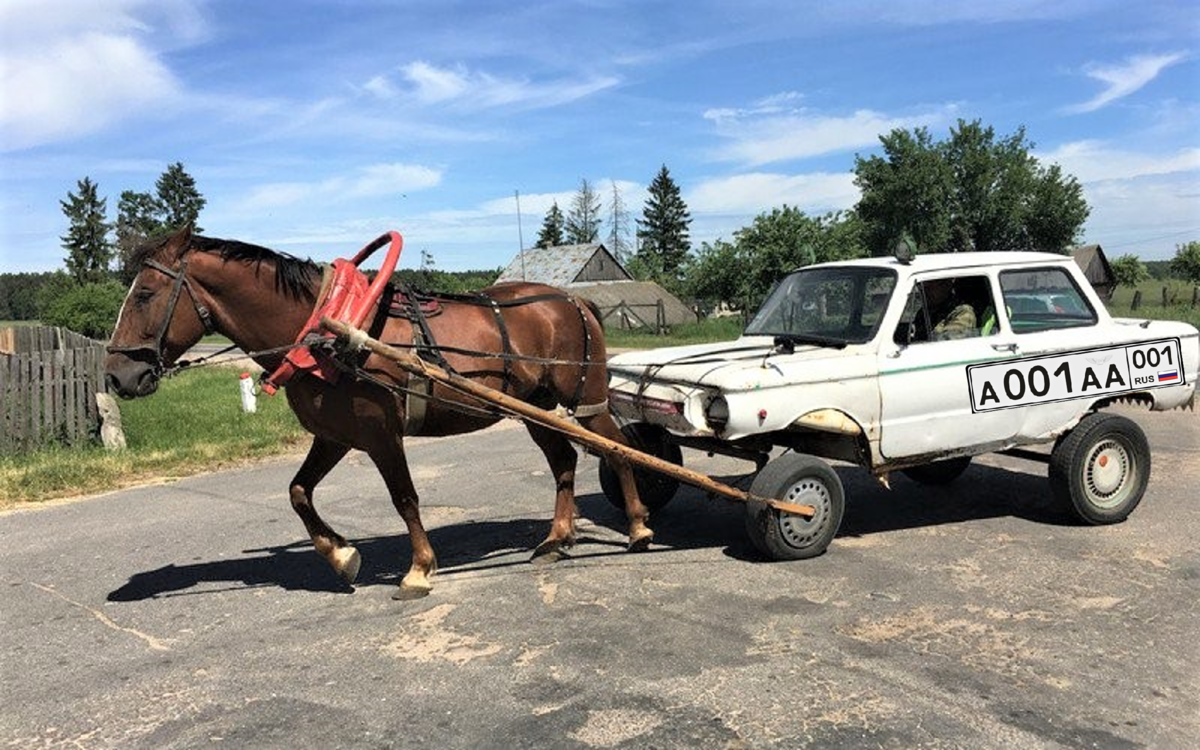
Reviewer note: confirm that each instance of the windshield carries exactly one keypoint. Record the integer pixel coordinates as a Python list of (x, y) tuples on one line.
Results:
[(837, 305)]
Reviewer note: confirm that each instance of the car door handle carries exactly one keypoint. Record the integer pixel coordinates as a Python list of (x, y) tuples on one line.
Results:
[(1009, 347)]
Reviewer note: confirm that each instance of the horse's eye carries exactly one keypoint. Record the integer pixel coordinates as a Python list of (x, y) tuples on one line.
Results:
[(143, 296)]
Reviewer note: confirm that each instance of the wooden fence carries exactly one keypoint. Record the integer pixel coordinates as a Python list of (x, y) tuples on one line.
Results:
[(49, 378)]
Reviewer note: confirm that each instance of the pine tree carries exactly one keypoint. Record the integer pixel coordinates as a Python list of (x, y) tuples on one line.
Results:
[(618, 226), (89, 251), (137, 221), (583, 220), (551, 234), (179, 202), (663, 229)]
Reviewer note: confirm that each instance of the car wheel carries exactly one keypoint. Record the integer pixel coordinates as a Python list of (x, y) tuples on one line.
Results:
[(939, 472), (655, 489), (1101, 468), (805, 480)]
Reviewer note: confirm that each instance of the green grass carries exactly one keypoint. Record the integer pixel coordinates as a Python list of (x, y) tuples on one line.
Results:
[(1179, 302), (713, 329), (193, 424)]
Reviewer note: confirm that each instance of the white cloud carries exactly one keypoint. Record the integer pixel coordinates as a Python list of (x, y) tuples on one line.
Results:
[(429, 84), (370, 181), (72, 68), (756, 192), (1146, 216), (1124, 78), (764, 134), (1094, 161)]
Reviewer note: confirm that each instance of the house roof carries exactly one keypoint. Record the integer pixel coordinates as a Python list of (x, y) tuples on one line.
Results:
[(640, 298), (557, 266), (1091, 259)]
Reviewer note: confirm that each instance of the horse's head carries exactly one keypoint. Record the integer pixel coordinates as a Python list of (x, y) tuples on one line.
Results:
[(154, 329)]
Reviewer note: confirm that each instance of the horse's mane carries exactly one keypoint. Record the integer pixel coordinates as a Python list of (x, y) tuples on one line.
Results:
[(295, 277)]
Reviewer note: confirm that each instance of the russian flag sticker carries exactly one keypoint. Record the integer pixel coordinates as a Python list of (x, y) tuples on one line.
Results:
[(1168, 376)]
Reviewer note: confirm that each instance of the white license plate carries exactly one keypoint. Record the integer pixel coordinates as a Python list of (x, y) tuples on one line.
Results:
[(1060, 377)]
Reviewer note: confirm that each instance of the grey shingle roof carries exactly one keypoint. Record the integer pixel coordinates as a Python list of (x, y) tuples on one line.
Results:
[(557, 266)]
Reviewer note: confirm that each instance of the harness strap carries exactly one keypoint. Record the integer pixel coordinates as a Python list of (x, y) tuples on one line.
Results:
[(505, 345), (585, 360)]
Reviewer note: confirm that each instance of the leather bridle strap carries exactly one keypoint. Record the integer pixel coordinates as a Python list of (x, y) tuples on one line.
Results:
[(181, 281)]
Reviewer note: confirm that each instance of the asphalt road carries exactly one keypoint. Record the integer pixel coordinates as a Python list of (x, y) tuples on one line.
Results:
[(195, 613)]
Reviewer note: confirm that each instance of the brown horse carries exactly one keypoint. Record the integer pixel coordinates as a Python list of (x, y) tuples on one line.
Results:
[(261, 300)]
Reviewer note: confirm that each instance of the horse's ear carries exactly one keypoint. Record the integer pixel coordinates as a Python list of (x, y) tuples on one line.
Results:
[(180, 239)]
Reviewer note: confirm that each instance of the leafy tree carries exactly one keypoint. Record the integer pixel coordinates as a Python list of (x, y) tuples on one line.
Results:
[(663, 230), (551, 234), (583, 219), (90, 309), (775, 244), (1129, 270), (1186, 263), (179, 202), (138, 219), (618, 226), (973, 191)]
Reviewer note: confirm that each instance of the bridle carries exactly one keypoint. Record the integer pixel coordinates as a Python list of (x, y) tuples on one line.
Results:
[(180, 282)]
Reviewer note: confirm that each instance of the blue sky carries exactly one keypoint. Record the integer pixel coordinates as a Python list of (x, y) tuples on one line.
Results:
[(312, 127)]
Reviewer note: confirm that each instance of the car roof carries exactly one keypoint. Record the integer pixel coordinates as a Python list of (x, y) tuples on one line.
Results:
[(948, 261)]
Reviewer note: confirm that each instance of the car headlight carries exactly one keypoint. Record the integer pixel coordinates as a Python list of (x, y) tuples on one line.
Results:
[(717, 413)]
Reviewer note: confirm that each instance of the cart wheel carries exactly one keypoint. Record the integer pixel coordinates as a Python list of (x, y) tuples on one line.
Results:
[(939, 472), (1101, 468), (655, 490), (801, 479)]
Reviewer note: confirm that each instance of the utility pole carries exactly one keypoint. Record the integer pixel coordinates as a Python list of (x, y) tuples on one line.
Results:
[(520, 234)]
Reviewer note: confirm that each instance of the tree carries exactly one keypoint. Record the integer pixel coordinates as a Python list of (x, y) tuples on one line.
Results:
[(973, 191), (1129, 270), (775, 244), (90, 309), (137, 221), (583, 220), (1186, 263), (663, 230), (179, 201), (551, 234), (618, 226), (89, 251)]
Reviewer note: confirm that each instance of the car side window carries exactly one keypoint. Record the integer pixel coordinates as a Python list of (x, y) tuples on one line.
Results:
[(943, 309), (1044, 298)]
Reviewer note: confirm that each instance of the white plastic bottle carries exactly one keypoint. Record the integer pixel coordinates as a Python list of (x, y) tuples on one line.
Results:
[(249, 403)]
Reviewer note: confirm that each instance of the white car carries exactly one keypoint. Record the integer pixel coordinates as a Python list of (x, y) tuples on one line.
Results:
[(914, 365)]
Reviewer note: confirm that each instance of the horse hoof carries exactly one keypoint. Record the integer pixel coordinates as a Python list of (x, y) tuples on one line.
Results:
[(347, 561), (641, 542), (551, 554), (408, 593)]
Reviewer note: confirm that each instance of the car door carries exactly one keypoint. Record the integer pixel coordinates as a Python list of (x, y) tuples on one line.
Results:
[(926, 400)]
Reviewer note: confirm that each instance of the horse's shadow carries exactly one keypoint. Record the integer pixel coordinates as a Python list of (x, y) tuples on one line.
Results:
[(690, 521)]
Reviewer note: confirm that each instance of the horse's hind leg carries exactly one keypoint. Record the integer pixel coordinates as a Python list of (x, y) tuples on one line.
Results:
[(392, 464), (640, 535), (322, 457), (562, 459)]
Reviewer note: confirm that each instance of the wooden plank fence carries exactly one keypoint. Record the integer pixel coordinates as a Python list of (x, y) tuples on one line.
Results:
[(49, 378)]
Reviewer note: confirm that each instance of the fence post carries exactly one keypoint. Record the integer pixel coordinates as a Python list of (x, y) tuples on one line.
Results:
[(1164, 296), (1195, 297), (660, 318), (1137, 299)]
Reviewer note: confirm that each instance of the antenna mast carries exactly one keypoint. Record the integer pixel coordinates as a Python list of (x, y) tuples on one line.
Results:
[(520, 234)]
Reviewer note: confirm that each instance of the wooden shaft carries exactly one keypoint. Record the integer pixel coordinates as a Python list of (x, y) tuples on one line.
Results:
[(418, 366)]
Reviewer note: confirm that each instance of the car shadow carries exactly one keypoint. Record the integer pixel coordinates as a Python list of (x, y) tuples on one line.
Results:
[(690, 521)]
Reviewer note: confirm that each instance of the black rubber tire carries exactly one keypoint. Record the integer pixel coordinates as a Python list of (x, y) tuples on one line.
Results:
[(1100, 469), (655, 489), (939, 472), (802, 479)]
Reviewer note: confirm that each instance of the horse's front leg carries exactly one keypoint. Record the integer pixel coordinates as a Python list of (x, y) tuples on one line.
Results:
[(322, 457), (393, 466)]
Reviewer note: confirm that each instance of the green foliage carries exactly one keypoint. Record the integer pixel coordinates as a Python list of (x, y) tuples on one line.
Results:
[(551, 234), (450, 282), (88, 250), (973, 191), (90, 309), (743, 272), (701, 332), (1186, 263), (179, 202), (138, 219), (1129, 270), (583, 219), (19, 294), (663, 232)]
